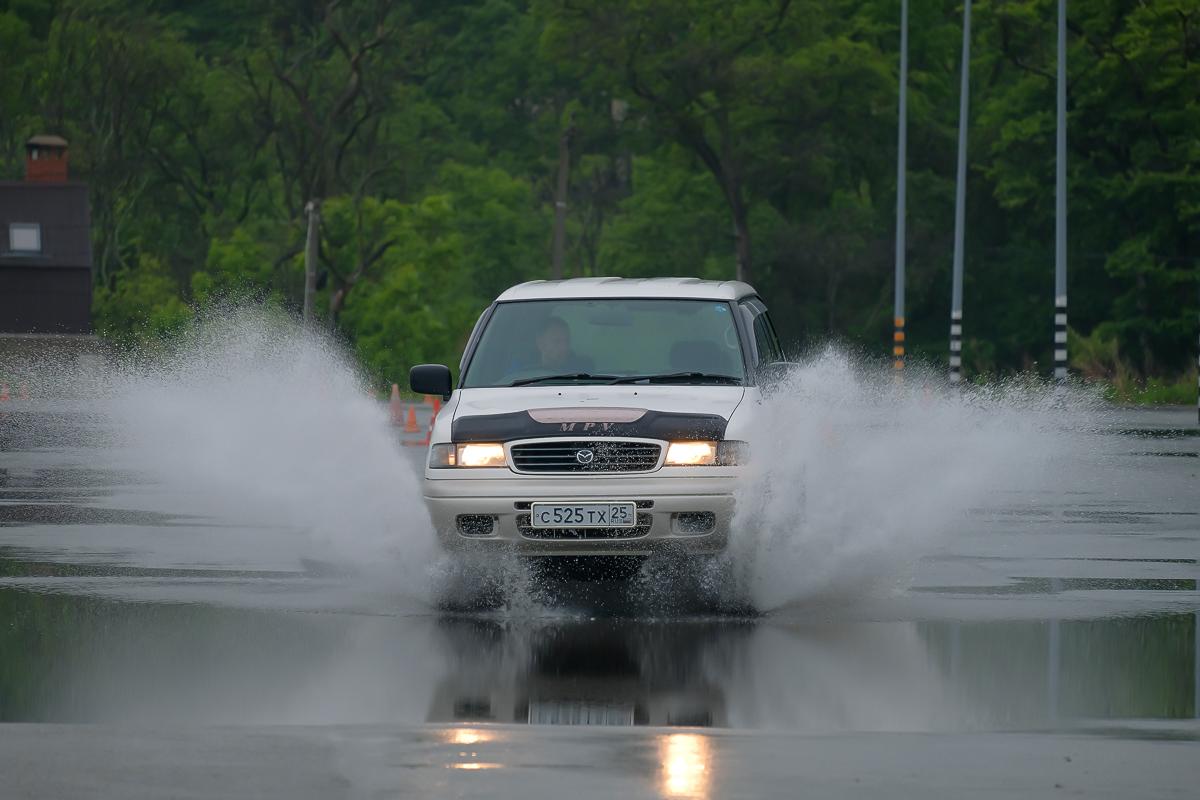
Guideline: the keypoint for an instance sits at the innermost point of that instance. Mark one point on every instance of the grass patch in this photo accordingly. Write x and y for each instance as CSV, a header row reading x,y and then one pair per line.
x,y
1156,391
1097,358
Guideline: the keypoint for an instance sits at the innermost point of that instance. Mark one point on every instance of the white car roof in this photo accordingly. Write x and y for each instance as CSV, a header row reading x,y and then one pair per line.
x,y
675,288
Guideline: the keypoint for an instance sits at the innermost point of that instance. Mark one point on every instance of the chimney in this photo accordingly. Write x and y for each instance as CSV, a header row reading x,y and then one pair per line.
x,y
46,159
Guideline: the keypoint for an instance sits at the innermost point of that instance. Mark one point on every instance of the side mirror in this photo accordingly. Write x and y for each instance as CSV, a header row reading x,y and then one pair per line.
x,y
431,379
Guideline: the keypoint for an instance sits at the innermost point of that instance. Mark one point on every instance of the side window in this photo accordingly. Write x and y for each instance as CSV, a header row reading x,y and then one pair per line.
x,y
766,343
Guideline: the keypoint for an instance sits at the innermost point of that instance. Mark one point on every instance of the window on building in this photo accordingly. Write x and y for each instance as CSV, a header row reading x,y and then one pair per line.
x,y
25,237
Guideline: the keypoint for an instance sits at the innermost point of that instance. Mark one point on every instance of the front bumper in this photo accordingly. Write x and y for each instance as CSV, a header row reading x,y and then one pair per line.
x,y
505,497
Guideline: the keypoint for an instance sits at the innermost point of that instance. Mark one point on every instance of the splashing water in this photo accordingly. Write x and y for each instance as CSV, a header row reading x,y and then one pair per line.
x,y
254,422
859,474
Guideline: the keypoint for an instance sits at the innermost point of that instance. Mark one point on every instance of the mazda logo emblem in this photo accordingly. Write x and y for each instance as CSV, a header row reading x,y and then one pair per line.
x,y
585,456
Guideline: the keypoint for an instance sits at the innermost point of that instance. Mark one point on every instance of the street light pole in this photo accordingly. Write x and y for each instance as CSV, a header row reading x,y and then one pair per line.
x,y
960,202
1060,203
901,164
311,253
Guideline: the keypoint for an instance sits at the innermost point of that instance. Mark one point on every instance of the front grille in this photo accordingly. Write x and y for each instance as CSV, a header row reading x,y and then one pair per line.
x,y
524,525
571,456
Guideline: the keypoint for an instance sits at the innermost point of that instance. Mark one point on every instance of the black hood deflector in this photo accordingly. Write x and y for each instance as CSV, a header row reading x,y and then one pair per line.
x,y
663,425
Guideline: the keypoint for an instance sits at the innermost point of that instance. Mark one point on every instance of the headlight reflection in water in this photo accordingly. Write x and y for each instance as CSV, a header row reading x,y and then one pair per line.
x,y
686,765
469,736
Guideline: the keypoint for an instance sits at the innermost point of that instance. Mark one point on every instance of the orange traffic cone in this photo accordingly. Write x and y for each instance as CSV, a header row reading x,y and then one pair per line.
x,y
410,424
3,392
395,410
429,431
435,402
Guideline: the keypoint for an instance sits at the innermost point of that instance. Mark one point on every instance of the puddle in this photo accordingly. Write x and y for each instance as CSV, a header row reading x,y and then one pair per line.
x,y
84,659
1057,585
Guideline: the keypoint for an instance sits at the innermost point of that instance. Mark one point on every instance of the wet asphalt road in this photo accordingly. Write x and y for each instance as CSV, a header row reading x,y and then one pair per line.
x,y
1049,649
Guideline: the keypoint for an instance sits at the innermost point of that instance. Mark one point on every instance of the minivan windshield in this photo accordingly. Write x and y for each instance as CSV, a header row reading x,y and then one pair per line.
x,y
617,340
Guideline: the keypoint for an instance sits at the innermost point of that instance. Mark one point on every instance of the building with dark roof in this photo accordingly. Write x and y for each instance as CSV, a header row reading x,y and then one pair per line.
x,y
45,246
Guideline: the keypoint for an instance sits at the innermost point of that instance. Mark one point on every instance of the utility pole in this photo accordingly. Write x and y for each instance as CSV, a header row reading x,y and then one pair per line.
x,y
311,245
1060,206
960,202
901,169
560,202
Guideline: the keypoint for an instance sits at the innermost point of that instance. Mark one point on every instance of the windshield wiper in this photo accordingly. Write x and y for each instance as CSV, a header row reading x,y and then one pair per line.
x,y
571,376
680,377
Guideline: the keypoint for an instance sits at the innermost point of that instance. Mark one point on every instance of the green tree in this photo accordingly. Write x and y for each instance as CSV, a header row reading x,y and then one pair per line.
x,y
19,64
144,304
110,76
704,135
699,83
1133,161
449,255
672,224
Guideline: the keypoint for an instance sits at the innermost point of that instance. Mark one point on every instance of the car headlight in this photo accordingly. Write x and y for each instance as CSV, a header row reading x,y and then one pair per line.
x,y
691,454
473,454
706,454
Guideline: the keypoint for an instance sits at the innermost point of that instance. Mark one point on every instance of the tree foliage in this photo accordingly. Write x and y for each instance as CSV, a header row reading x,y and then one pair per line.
x,y
707,138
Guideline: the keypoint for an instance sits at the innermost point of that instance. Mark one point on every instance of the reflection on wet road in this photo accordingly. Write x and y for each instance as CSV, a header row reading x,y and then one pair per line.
x,y
75,658
1071,609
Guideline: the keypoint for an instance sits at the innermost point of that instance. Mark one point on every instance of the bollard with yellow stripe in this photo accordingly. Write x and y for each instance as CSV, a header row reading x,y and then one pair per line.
x,y
898,344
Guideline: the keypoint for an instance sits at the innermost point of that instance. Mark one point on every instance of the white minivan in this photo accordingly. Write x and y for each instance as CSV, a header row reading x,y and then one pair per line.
x,y
598,417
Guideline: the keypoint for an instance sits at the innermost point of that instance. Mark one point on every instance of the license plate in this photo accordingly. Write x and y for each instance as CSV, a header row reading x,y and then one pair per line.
x,y
584,515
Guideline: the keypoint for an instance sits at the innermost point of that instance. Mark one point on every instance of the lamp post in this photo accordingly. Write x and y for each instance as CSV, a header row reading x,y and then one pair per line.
x,y
960,202
901,163
1060,206
312,246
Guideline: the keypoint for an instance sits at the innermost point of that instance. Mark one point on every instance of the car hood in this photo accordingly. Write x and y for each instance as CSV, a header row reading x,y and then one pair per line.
x,y
716,400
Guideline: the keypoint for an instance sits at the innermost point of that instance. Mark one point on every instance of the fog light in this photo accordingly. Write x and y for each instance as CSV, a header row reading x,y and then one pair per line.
x,y
476,524
693,523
